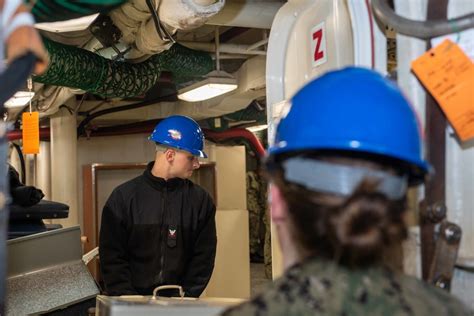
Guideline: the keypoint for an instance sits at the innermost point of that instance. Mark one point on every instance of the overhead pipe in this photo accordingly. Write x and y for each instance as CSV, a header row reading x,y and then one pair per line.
x,y
44,133
237,133
148,126
81,69
81,129
224,48
148,26
385,15
257,15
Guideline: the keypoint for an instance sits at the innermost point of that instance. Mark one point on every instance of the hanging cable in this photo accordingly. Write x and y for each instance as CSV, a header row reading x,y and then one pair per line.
x,y
160,29
22,162
81,129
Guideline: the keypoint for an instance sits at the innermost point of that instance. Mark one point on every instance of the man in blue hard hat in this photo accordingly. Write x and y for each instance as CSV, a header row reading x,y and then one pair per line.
x,y
344,154
159,228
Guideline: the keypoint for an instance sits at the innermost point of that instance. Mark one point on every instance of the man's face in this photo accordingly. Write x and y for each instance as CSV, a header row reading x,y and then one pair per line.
x,y
183,164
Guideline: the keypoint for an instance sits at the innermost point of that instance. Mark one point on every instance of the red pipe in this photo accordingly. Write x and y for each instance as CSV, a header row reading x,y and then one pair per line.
x,y
44,133
237,133
147,127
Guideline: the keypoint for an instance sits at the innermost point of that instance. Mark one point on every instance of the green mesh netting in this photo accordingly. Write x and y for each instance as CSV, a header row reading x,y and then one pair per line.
x,y
78,68
61,10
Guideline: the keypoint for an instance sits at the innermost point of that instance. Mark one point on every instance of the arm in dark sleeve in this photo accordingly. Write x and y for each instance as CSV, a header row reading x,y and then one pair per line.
x,y
114,263
201,263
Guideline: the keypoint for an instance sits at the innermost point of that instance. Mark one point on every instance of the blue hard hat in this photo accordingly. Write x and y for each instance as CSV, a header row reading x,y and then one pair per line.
x,y
180,132
353,109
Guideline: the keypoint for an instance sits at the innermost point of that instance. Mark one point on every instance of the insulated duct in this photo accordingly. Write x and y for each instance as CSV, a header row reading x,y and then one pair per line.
x,y
247,14
61,10
81,69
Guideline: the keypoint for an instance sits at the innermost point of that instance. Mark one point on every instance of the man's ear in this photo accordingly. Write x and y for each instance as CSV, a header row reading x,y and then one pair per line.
x,y
277,203
169,154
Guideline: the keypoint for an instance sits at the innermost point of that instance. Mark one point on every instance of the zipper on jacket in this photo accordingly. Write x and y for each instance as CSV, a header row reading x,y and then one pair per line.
x,y
163,235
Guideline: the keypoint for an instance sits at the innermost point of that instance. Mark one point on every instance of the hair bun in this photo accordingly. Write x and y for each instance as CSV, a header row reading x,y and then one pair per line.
x,y
364,225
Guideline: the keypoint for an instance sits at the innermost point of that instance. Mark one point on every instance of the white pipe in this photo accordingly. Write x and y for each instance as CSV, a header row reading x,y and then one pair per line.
x,y
253,15
43,169
205,2
231,56
138,27
30,170
72,25
64,163
258,44
224,48
188,14
217,37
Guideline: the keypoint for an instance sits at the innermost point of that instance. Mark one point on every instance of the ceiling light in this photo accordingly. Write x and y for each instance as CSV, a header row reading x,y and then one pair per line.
x,y
19,99
257,128
216,83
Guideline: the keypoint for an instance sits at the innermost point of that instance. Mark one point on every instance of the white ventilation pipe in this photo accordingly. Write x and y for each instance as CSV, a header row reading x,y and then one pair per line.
x,y
247,14
137,25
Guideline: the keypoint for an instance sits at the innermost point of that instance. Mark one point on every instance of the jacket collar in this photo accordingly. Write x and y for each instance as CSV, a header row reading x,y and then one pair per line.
x,y
160,183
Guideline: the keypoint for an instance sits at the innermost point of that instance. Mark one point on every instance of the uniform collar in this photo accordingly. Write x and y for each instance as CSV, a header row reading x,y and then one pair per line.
x,y
160,183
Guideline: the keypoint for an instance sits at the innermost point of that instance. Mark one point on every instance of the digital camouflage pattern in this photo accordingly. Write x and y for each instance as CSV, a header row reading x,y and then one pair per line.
x,y
256,206
259,221
267,248
319,287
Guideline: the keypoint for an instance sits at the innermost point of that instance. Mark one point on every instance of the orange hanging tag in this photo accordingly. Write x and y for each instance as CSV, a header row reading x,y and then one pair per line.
x,y
30,132
448,74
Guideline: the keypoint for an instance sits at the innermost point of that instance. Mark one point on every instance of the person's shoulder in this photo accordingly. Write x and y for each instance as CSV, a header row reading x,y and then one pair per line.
x,y
265,303
291,294
421,295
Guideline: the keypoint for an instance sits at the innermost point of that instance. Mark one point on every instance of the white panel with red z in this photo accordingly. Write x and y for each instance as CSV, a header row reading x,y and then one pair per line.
x,y
318,45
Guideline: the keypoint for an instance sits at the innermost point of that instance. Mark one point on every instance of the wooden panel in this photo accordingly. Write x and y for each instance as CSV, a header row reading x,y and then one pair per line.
x,y
231,276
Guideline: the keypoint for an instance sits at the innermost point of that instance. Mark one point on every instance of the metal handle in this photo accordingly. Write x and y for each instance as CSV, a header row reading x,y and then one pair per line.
x,y
167,287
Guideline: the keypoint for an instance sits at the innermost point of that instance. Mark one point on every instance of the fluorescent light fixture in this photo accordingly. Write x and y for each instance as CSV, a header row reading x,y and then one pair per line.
x,y
19,99
78,24
257,128
216,83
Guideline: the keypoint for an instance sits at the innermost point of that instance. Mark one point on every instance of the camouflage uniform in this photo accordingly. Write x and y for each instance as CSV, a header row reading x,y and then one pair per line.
x,y
267,247
319,287
256,206
259,218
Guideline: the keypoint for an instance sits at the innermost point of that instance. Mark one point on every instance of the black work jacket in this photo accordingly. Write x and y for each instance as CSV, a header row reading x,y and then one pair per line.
x,y
157,232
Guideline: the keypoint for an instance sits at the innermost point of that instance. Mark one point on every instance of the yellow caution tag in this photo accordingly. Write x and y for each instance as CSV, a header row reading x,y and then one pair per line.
x,y
448,74
30,132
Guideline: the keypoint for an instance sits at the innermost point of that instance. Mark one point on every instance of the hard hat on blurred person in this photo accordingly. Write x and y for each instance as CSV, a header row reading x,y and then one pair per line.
x,y
353,110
